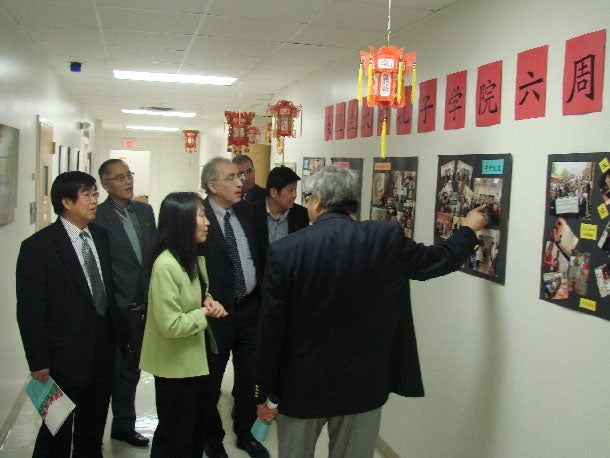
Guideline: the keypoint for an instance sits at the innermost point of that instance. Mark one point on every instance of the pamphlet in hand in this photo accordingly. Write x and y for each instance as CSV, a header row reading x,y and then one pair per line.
x,y
51,403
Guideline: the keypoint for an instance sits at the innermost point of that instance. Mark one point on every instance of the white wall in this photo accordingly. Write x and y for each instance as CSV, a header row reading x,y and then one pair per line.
x,y
27,88
506,374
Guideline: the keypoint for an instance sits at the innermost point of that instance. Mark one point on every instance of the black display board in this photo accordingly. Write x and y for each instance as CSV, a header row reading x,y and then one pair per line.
x,y
464,182
575,269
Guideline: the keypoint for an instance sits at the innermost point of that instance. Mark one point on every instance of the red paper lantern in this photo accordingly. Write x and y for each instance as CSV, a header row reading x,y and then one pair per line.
x,y
190,140
238,122
253,135
284,113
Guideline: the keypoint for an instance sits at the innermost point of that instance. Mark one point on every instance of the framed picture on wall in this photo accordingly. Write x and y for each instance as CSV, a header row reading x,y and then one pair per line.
x,y
62,159
73,159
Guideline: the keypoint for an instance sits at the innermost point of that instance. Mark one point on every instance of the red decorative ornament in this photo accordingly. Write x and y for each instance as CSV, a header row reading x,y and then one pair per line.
x,y
190,140
283,114
254,134
238,122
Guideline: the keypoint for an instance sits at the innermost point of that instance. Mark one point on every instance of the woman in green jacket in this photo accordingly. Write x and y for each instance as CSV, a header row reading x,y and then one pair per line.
x,y
174,346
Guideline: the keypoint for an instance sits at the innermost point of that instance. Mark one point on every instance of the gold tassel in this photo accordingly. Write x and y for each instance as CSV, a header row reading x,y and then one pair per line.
x,y
360,71
384,128
413,82
369,85
401,87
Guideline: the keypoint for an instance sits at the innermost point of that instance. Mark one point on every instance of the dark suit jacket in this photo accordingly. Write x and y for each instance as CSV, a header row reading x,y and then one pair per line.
x,y
297,219
336,333
131,278
55,311
220,267
256,194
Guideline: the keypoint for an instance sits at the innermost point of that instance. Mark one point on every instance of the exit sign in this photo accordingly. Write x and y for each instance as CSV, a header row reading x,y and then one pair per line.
x,y
130,143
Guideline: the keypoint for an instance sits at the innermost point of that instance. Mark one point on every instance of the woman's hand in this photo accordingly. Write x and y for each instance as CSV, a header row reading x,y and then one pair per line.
x,y
213,308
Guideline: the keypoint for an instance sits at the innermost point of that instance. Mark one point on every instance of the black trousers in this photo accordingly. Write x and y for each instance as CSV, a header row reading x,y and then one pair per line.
x,y
84,429
237,335
182,412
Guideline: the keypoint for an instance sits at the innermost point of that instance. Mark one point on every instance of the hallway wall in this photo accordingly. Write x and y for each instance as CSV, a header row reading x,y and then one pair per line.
x,y
505,373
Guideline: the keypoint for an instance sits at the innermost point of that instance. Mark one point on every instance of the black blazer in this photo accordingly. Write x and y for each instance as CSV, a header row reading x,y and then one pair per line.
x,y
336,330
257,193
297,219
131,277
55,311
220,267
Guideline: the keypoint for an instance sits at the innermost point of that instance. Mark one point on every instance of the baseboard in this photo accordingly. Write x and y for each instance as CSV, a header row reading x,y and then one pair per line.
x,y
384,449
13,414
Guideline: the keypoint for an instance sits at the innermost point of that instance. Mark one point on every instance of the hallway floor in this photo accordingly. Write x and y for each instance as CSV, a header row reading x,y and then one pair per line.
x,y
20,440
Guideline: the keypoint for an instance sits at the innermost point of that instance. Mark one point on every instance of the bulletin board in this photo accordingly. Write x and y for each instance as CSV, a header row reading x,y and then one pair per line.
x,y
394,191
575,268
465,182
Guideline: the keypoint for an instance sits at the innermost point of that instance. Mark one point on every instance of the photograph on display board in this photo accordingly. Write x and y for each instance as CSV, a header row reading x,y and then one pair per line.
x,y
310,166
355,165
393,193
465,182
9,156
577,233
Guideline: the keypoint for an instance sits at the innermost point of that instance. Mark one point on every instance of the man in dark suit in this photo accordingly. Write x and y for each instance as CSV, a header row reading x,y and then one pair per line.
x,y
131,228
233,271
277,215
250,191
68,317
336,333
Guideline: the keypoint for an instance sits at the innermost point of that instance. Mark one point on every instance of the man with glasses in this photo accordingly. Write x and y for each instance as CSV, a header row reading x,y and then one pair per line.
x,y
68,317
233,271
131,228
251,192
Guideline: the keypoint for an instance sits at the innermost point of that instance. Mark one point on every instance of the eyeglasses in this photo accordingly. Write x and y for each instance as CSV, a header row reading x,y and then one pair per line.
x,y
90,197
121,177
230,177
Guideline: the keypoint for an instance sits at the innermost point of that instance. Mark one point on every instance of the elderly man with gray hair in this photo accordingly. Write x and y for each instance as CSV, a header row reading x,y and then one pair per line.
x,y
336,332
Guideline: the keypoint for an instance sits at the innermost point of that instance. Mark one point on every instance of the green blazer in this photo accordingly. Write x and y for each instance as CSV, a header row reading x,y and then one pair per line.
x,y
174,336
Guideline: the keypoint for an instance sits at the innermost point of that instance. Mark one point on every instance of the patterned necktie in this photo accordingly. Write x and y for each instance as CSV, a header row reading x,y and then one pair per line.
x,y
133,231
97,285
238,273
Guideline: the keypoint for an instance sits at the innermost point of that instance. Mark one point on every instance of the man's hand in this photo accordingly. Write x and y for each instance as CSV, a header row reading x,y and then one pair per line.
x,y
264,413
476,219
42,375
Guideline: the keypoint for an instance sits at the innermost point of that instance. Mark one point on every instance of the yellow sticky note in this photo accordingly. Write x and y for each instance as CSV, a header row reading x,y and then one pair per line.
x,y
602,210
587,304
604,165
588,231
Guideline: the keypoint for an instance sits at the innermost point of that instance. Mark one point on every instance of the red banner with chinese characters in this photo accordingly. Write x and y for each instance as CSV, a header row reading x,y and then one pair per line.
x,y
489,94
352,119
426,119
455,100
404,116
530,85
366,122
328,123
340,121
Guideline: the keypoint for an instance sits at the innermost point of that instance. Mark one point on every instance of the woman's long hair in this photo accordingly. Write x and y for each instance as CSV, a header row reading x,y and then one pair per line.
x,y
176,229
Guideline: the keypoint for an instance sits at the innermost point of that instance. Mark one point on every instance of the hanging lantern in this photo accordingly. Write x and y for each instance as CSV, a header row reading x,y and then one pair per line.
x,y
238,122
386,70
190,140
283,114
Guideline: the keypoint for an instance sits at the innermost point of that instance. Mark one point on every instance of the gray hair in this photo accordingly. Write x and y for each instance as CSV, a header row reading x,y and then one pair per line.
x,y
337,187
209,172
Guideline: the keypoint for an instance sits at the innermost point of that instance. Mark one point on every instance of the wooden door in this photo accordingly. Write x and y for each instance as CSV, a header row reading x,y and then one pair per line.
x,y
44,174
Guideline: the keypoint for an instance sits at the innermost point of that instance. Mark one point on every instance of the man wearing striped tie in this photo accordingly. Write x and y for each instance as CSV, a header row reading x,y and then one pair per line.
x,y
68,317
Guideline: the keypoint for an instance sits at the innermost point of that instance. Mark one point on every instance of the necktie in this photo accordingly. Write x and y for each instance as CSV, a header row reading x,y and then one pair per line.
x,y
97,285
131,226
238,273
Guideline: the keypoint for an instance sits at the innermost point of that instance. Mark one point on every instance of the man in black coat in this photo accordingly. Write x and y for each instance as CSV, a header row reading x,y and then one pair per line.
x,y
250,191
336,332
234,275
68,317
131,229
277,215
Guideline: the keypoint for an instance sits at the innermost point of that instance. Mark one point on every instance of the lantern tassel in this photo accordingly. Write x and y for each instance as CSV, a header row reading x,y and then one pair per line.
x,y
413,82
369,85
384,127
401,87
360,71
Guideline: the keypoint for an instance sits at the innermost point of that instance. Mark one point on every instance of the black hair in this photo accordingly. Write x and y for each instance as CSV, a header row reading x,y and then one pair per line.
x,y
280,177
67,185
176,229
104,167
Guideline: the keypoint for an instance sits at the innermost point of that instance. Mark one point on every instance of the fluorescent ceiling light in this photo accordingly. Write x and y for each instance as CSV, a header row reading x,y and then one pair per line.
x,y
174,78
160,129
178,114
